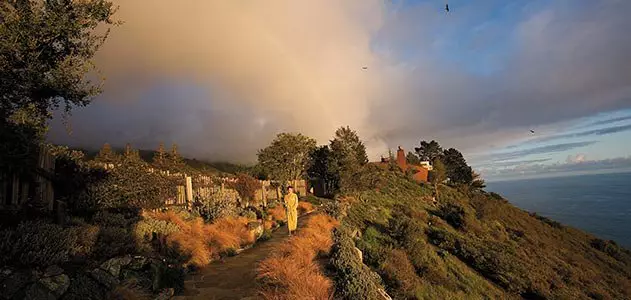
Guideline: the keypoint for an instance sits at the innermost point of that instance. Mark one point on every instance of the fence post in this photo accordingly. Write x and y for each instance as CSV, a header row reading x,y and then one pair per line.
x,y
189,192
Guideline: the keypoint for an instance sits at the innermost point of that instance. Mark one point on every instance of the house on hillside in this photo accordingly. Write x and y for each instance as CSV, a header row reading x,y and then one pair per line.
x,y
421,172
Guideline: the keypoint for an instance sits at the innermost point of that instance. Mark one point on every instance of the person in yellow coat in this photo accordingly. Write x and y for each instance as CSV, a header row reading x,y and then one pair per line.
x,y
291,203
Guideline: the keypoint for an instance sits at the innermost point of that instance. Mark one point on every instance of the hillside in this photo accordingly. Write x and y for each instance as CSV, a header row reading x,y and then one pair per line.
x,y
472,245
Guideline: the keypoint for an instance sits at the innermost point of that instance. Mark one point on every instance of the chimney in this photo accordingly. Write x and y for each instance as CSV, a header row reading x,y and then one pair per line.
x,y
401,162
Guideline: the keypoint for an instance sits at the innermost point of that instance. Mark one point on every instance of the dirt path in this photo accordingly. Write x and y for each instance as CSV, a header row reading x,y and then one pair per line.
x,y
234,277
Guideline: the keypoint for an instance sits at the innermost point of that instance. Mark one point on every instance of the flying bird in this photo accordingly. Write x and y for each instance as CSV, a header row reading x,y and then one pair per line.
x,y
532,131
364,68
447,7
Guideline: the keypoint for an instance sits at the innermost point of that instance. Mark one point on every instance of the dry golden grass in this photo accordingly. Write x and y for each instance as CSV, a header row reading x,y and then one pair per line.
x,y
290,272
305,207
278,213
204,242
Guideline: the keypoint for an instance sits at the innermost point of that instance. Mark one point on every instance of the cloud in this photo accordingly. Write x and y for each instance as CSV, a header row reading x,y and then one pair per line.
x,y
555,148
509,163
594,132
575,159
222,77
607,121
619,164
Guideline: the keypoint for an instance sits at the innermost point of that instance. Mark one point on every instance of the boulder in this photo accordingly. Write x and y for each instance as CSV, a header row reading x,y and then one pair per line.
x,y
57,285
257,228
53,270
359,254
15,283
37,291
83,287
114,265
138,263
142,278
104,278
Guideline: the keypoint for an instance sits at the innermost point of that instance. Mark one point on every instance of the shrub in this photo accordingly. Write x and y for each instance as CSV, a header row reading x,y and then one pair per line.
x,y
143,231
453,214
220,205
552,223
114,241
108,219
353,279
290,271
334,209
305,207
246,186
249,214
37,243
399,274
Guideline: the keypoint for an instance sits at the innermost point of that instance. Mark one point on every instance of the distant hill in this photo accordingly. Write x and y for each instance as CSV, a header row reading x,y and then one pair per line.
x,y
202,165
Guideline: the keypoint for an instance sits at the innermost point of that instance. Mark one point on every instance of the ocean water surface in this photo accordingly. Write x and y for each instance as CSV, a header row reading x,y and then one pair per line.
x,y
599,204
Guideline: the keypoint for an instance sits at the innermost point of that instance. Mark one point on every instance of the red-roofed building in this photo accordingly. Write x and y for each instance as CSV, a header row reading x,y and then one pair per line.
x,y
421,173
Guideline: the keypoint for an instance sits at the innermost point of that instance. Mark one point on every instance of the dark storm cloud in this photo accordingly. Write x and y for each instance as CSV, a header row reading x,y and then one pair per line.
x,y
270,71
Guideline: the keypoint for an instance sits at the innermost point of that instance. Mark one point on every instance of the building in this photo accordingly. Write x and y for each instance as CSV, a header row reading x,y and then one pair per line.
x,y
421,172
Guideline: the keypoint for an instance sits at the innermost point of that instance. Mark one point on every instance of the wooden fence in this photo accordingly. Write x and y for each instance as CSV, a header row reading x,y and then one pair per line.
x,y
35,188
16,190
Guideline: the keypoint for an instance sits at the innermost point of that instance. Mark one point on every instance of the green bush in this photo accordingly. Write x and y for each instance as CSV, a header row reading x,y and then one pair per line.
x,y
374,246
218,206
452,214
108,219
334,208
251,215
143,231
114,241
353,279
37,243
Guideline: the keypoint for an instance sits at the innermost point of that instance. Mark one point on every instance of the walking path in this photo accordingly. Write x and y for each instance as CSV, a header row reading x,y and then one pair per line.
x,y
233,277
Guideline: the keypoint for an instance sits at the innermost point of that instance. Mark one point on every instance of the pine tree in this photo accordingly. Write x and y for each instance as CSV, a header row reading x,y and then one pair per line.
x,y
106,155
160,157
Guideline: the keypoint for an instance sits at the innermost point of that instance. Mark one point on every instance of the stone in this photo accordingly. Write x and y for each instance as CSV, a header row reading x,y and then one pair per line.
x,y
37,291
384,295
257,228
104,278
359,254
15,283
142,278
57,285
138,263
114,265
83,287
53,270
165,294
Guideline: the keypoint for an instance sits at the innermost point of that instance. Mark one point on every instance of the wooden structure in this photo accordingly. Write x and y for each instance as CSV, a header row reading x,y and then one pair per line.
x,y
34,187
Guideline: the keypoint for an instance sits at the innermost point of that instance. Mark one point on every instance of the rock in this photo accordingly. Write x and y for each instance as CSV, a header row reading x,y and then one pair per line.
x,y
114,265
359,254
57,285
82,287
104,278
15,283
53,270
37,291
165,294
138,263
257,228
142,279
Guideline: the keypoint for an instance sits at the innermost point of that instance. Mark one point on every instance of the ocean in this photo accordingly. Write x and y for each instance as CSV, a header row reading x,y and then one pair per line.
x,y
599,204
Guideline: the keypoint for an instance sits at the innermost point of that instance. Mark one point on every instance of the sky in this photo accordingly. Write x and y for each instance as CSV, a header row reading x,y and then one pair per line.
x,y
222,77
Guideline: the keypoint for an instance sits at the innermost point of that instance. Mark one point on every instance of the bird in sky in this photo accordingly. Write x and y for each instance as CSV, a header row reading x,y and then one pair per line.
x,y
447,7
532,131
364,68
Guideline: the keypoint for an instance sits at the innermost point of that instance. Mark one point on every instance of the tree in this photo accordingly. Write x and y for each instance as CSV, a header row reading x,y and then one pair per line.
x,y
106,155
46,49
287,157
246,186
322,168
160,157
174,160
130,155
349,157
477,183
458,171
412,158
429,151
438,174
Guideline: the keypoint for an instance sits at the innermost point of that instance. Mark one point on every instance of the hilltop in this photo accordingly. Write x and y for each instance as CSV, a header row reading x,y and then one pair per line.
x,y
469,244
